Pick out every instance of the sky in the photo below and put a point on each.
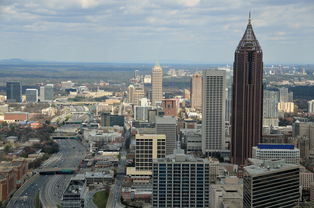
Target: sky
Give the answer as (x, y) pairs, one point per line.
(146, 31)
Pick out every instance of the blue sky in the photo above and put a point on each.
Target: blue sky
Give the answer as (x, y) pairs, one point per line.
(176, 31)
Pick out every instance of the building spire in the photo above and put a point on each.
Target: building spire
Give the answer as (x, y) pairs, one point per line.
(249, 17)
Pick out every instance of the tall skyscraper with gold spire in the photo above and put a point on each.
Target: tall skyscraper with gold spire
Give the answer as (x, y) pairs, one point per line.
(247, 97)
(156, 84)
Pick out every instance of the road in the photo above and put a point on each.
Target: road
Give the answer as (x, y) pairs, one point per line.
(50, 187)
(114, 200)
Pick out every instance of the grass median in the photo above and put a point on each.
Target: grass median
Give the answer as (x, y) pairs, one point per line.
(100, 198)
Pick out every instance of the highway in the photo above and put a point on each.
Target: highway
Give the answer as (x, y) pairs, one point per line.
(50, 187)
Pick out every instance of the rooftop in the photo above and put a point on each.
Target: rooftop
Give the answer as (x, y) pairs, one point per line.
(261, 167)
(180, 157)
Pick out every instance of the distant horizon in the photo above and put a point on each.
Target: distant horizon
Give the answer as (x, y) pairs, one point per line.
(21, 60)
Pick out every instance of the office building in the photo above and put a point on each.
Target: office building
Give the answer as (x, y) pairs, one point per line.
(228, 111)
(283, 94)
(192, 140)
(304, 129)
(247, 110)
(135, 93)
(168, 126)
(187, 94)
(147, 148)
(271, 184)
(270, 108)
(286, 107)
(277, 151)
(46, 93)
(170, 107)
(156, 85)
(141, 113)
(111, 120)
(181, 180)
(196, 91)
(311, 106)
(31, 95)
(214, 102)
(14, 92)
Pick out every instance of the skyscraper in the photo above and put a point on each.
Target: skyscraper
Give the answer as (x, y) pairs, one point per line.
(270, 108)
(247, 97)
(181, 180)
(14, 92)
(31, 95)
(136, 92)
(46, 93)
(196, 91)
(214, 102)
(167, 125)
(156, 84)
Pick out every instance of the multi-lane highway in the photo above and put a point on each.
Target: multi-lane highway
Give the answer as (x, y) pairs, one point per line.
(50, 187)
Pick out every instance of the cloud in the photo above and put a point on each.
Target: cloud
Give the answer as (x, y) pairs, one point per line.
(206, 25)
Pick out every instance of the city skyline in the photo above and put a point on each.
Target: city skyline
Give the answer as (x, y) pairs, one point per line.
(178, 31)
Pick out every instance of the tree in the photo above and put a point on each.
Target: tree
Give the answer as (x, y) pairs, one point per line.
(7, 148)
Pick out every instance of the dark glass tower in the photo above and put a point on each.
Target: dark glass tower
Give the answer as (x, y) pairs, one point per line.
(247, 97)
(14, 92)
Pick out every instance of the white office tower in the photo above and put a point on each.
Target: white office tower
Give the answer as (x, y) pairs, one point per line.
(31, 95)
(277, 151)
(46, 93)
(311, 106)
(181, 181)
(270, 108)
(270, 183)
(167, 125)
(156, 85)
(214, 101)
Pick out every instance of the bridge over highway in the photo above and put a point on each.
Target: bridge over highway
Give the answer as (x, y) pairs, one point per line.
(56, 171)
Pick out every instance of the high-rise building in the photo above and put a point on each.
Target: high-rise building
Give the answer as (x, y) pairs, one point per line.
(283, 94)
(167, 125)
(141, 113)
(14, 92)
(270, 108)
(304, 129)
(228, 105)
(181, 180)
(277, 151)
(213, 113)
(170, 107)
(271, 184)
(156, 84)
(31, 95)
(187, 94)
(311, 106)
(247, 107)
(46, 93)
(135, 93)
(147, 148)
(196, 91)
